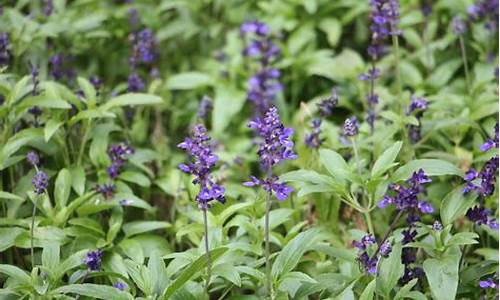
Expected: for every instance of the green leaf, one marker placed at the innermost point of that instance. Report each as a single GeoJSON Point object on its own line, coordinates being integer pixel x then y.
{"type": "Point", "coordinates": [335, 164]}
{"type": "Point", "coordinates": [188, 81]}
{"type": "Point", "coordinates": [135, 177]}
{"type": "Point", "coordinates": [16, 273]}
{"type": "Point", "coordinates": [368, 291]}
{"type": "Point", "coordinates": [94, 290]}
{"type": "Point", "coordinates": [195, 267]}
{"type": "Point", "coordinates": [21, 138]}
{"type": "Point", "coordinates": [442, 276]}
{"type": "Point", "coordinates": [291, 254]}
{"type": "Point", "coordinates": [9, 196]}
{"type": "Point", "coordinates": [137, 227]}
{"type": "Point", "coordinates": [455, 205]}
{"type": "Point", "coordinates": [405, 290]}
{"type": "Point", "coordinates": [385, 161]}
{"type": "Point", "coordinates": [43, 101]}
{"type": "Point", "coordinates": [229, 272]}
{"type": "Point", "coordinates": [390, 270]}
{"type": "Point", "coordinates": [62, 187]}
{"type": "Point", "coordinates": [50, 128]}
{"type": "Point", "coordinates": [88, 90]}
{"type": "Point", "coordinates": [50, 256]}
{"type": "Point", "coordinates": [442, 74]}
{"type": "Point", "coordinates": [132, 99]}
{"type": "Point", "coordinates": [8, 237]}
{"type": "Point", "coordinates": [463, 238]}
{"type": "Point", "coordinates": [78, 179]}
{"type": "Point", "coordinates": [227, 104]}
{"type": "Point", "coordinates": [75, 260]}
{"type": "Point", "coordinates": [431, 167]}
{"type": "Point", "coordinates": [333, 30]}
{"type": "Point", "coordinates": [158, 272]}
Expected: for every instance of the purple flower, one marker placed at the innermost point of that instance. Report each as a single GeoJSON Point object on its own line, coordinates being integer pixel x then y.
{"type": "Point", "coordinates": [313, 140]}
{"type": "Point", "coordinates": [93, 260]}
{"type": "Point", "coordinates": [59, 66]}
{"type": "Point", "coordinates": [384, 21]}
{"type": "Point", "coordinates": [144, 49]}
{"type": "Point", "coordinates": [488, 283]}
{"type": "Point", "coordinates": [48, 7]}
{"type": "Point", "coordinates": [120, 285]}
{"type": "Point", "coordinates": [263, 87]}
{"type": "Point", "coordinates": [385, 249]}
{"type": "Point", "coordinates": [371, 98]}
{"type": "Point", "coordinates": [125, 202]}
{"type": "Point", "coordinates": [327, 106]}
{"type": "Point", "coordinates": [96, 82]}
{"type": "Point", "coordinates": [490, 143]}
{"type": "Point", "coordinates": [40, 182]}
{"type": "Point", "coordinates": [259, 28]}
{"type": "Point", "coordinates": [485, 10]}
{"type": "Point", "coordinates": [459, 26]}
{"type": "Point", "coordinates": [417, 103]}
{"type": "Point", "coordinates": [34, 72]}
{"type": "Point", "coordinates": [205, 107]}
{"type": "Point", "coordinates": [202, 160]}
{"type": "Point", "coordinates": [135, 83]}
{"type": "Point", "coordinates": [418, 106]}
{"type": "Point", "coordinates": [274, 148]}
{"type": "Point", "coordinates": [118, 154]}
{"type": "Point", "coordinates": [437, 226]}
{"type": "Point", "coordinates": [484, 181]}
{"type": "Point", "coordinates": [351, 126]}
{"type": "Point", "coordinates": [369, 263]}
{"type": "Point", "coordinates": [133, 17]}
{"type": "Point", "coordinates": [276, 145]}
{"type": "Point", "coordinates": [33, 158]}
{"type": "Point", "coordinates": [481, 216]}
{"type": "Point", "coordinates": [425, 207]}
{"type": "Point", "coordinates": [107, 190]}
{"type": "Point", "coordinates": [4, 49]}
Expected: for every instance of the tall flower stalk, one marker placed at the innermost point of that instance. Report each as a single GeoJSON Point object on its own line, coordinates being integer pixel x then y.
{"type": "Point", "coordinates": [40, 182]}
{"type": "Point", "coordinates": [202, 160]}
{"type": "Point", "coordinates": [459, 29]}
{"type": "Point", "coordinates": [275, 147]}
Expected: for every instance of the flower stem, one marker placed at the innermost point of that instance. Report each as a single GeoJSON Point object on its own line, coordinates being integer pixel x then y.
{"type": "Point", "coordinates": [32, 232]}
{"type": "Point", "coordinates": [391, 228]}
{"type": "Point", "coordinates": [207, 252]}
{"type": "Point", "coordinates": [369, 222]}
{"type": "Point", "coordinates": [466, 66]}
{"type": "Point", "coordinates": [267, 251]}
{"type": "Point", "coordinates": [84, 141]}
{"type": "Point", "coordinates": [356, 155]}
{"type": "Point", "coordinates": [395, 43]}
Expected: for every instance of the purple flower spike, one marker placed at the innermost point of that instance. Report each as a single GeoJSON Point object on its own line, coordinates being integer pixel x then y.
{"type": "Point", "coordinates": [459, 26]}
{"type": "Point", "coordinates": [437, 226]}
{"type": "Point", "coordinates": [490, 143]}
{"type": "Point", "coordinates": [351, 126]}
{"type": "Point", "coordinates": [107, 190]}
{"type": "Point", "coordinates": [120, 285]}
{"type": "Point", "coordinates": [40, 182]}
{"type": "Point", "coordinates": [4, 49]}
{"type": "Point", "coordinates": [385, 249]}
{"type": "Point", "coordinates": [205, 107]}
{"type": "Point", "coordinates": [33, 158]}
{"type": "Point", "coordinates": [93, 260]}
{"type": "Point", "coordinates": [327, 106]}
{"type": "Point", "coordinates": [313, 140]}
{"type": "Point", "coordinates": [489, 283]}
{"type": "Point", "coordinates": [202, 161]}
{"type": "Point", "coordinates": [118, 154]}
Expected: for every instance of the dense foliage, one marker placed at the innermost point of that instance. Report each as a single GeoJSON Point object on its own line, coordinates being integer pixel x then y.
{"type": "Point", "coordinates": [228, 149]}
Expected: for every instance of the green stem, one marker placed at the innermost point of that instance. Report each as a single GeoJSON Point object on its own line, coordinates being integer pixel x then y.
{"type": "Point", "coordinates": [356, 155]}
{"type": "Point", "coordinates": [32, 233]}
{"type": "Point", "coordinates": [267, 251]}
{"type": "Point", "coordinates": [207, 252]}
{"type": "Point", "coordinates": [466, 66]}
{"type": "Point", "coordinates": [395, 43]}
{"type": "Point", "coordinates": [369, 222]}
{"type": "Point", "coordinates": [84, 141]}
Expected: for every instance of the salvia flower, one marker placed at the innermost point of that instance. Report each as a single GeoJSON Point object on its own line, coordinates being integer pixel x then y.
{"type": "Point", "coordinates": [93, 260]}
{"type": "Point", "coordinates": [437, 226]}
{"type": "Point", "coordinates": [4, 49]}
{"type": "Point", "coordinates": [276, 146]}
{"type": "Point", "coordinates": [485, 11]}
{"type": "Point", "coordinates": [264, 85]}
{"type": "Point", "coordinates": [33, 158]}
{"type": "Point", "coordinates": [326, 106]}
{"type": "Point", "coordinates": [144, 48]}
{"type": "Point", "coordinates": [490, 143]}
{"type": "Point", "coordinates": [48, 7]}
{"type": "Point", "coordinates": [120, 285]}
{"type": "Point", "coordinates": [489, 283]}
{"type": "Point", "coordinates": [384, 20]}
{"type": "Point", "coordinates": [118, 154]}
{"type": "Point", "coordinates": [313, 140]}
{"type": "Point", "coordinates": [368, 263]}
{"type": "Point", "coordinates": [135, 83]}
{"type": "Point", "coordinates": [418, 106]}
{"type": "Point", "coordinates": [202, 160]}
{"type": "Point", "coordinates": [407, 197]}
{"type": "Point", "coordinates": [35, 80]}
{"type": "Point", "coordinates": [385, 249]}
{"type": "Point", "coordinates": [205, 107]}
{"type": "Point", "coordinates": [351, 126]}
{"type": "Point", "coordinates": [60, 67]}
{"type": "Point", "coordinates": [40, 182]}
{"type": "Point", "coordinates": [459, 26]}
{"type": "Point", "coordinates": [372, 98]}
{"type": "Point", "coordinates": [481, 216]}
{"type": "Point", "coordinates": [107, 190]}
